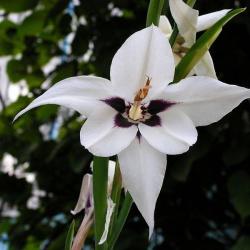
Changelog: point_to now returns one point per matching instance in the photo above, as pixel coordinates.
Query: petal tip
(151, 231)
(73, 212)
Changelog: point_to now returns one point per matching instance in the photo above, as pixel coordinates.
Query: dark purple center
(116, 103)
(150, 112)
(157, 106)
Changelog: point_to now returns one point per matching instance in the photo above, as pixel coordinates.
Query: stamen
(143, 92)
(136, 111)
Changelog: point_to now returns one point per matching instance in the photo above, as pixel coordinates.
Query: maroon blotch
(122, 122)
(153, 121)
(157, 106)
(116, 103)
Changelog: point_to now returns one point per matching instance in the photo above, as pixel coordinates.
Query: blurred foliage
(205, 200)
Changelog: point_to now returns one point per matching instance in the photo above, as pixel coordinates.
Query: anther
(136, 111)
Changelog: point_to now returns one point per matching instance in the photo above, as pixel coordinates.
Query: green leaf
(6, 25)
(239, 191)
(70, 236)
(242, 244)
(44, 113)
(80, 43)
(32, 244)
(182, 165)
(100, 182)
(5, 225)
(64, 71)
(33, 24)
(10, 43)
(15, 107)
(16, 70)
(35, 79)
(154, 12)
(202, 45)
(49, 3)
(123, 215)
(17, 6)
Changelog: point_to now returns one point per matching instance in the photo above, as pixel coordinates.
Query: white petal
(165, 26)
(143, 169)
(175, 135)
(205, 67)
(205, 100)
(208, 20)
(114, 142)
(100, 135)
(110, 209)
(98, 125)
(79, 93)
(145, 53)
(186, 20)
(85, 193)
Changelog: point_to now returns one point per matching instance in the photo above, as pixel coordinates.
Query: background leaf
(18, 6)
(195, 209)
(239, 190)
(70, 236)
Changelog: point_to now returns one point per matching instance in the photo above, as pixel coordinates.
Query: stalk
(154, 12)
(100, 184)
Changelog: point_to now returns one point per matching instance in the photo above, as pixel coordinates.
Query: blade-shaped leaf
(202, 45)
(239, 190)
(70, 236)
(18, 6)
(243, 243)
(126, 206)
(100, 182)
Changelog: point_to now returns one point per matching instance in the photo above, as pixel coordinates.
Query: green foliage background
(205, 200)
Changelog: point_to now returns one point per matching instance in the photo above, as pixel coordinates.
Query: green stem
(154, 12)
(70, 236)
(173, 35)
(100, 181)
(191, 3)
(126, 206)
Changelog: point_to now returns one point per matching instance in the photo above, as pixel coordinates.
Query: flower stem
(154, 12)
(173, 35)
(126, 206)
(100, 181)
(191, 3)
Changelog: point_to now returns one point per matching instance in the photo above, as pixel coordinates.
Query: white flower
(139, 116)
(189, 23)
(86, 202)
